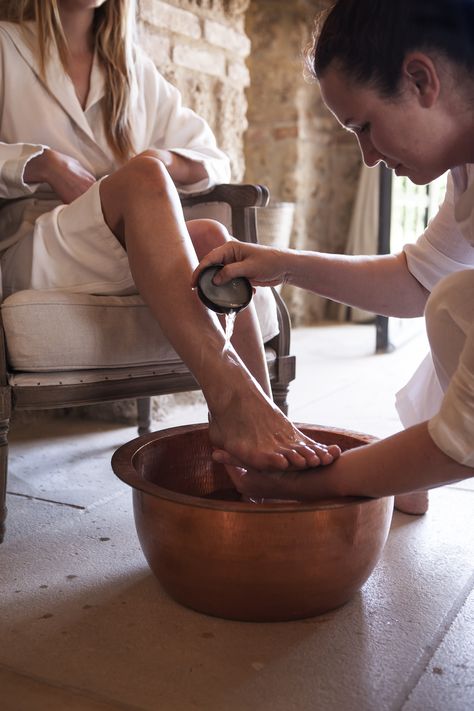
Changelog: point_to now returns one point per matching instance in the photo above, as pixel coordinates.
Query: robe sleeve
(179, 129)
(13, 160)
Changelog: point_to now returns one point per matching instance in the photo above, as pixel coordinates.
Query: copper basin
(240, 560)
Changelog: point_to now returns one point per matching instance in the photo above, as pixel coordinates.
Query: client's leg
(246, 339)
(142, 208)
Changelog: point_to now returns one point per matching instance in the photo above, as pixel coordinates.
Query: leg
(449, 315)
(144, 415)
(4, 426)
(246, 339)
(142, 208)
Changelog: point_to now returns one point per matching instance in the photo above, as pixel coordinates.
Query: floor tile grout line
(47, 501)
(431, 649)
(74, 691)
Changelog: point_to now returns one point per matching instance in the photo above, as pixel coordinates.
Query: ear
(422, 77)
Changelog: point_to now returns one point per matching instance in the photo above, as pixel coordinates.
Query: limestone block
(200, 59)
(238, 74)
(158, 48)
(162, 14)
(227, 38)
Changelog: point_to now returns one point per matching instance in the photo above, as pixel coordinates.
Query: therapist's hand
(66, 176)
(263, 266)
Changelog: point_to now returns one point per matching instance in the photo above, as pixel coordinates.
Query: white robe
(47, 245)
(35, 113)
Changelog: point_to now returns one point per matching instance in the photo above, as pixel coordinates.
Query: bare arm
(183, 171)
(66, 176)
(69, 179)
(381, 284)
(406, 461)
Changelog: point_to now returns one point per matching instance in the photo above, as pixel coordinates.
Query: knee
(449, 301)
(143, 177)
(146, 173)
(206, 235)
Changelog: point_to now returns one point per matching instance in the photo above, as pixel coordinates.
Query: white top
(447, 246)
(35, 114)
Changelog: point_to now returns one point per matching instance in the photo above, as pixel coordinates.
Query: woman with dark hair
(94, 143)
(400, 77)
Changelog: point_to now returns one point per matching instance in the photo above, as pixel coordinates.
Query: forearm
(407, 461)
(183, 171)
(381, 283)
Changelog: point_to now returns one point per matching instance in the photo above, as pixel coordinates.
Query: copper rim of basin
(125, 457)
(303, 560)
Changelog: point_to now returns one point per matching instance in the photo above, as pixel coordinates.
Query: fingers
(224, 254)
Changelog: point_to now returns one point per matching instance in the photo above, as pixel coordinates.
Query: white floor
(84, 625)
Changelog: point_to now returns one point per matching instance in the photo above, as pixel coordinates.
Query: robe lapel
(57, 84)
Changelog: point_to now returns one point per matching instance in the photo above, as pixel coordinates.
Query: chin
(423, 178)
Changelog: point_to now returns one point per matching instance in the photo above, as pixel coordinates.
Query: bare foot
(415, 503)
(250, 431)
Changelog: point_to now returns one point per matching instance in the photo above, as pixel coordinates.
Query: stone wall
(201, 47)
(294, 145)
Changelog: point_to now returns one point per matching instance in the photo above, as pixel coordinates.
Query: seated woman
(95, 142)
(399, 76)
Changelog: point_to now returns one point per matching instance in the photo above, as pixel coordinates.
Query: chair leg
(144, 415)
(280, 385)
(280, 396)
(4, 425)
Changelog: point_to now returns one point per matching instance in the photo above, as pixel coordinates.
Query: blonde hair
(114, 36)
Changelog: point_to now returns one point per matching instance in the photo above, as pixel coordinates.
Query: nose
(370, 154)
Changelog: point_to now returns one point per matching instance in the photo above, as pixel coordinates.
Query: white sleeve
(179, 129)
(13, 160)
(442, 248)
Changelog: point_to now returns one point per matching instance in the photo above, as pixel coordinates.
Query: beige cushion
(60, 331)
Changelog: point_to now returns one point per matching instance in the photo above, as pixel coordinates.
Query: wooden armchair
(61, 349)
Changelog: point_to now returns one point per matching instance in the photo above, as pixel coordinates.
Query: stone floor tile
(22, 693)
(448, 682)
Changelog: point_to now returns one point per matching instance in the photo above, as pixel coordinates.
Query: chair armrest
(242, 201)
(235, 194)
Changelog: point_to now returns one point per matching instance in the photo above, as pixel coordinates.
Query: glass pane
(413, 206)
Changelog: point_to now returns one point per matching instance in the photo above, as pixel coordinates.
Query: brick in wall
(200, 60)
(157, 47)
(238, 74)
(223, 36)
(161, 14)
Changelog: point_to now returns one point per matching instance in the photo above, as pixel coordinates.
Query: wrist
(294, 259)
(36, 168)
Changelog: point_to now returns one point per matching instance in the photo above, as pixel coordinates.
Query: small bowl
(227, 298)
(239, 560)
